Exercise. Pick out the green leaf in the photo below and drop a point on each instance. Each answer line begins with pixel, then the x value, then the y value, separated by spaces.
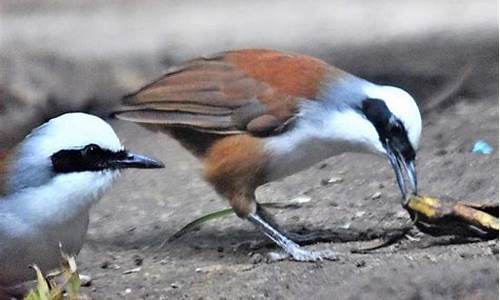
pixel 224 213
pixel 198 222
pixel 42 291
pixel 73 287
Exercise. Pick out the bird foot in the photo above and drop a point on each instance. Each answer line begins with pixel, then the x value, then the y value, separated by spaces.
pixel 292 249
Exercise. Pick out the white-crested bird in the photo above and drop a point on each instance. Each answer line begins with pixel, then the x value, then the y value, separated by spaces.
pixel 55 176
pixel 256 115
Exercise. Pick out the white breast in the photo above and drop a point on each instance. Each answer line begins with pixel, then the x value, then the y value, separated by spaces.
pixel 34 221
pixel 320 132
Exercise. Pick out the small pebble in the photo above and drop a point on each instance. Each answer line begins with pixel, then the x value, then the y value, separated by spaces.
pixel 376 195
pixel 409 257
pixel 210 269
pixel 322 166
pixel 105 264
pixel 441 152
pixel 360 263
pixel 130 271
pixel 359 214
pixel 401 214
pixel 256 258
pixel 128 291
pixel 302 199
pixel 345 226
pixel 332 180
pixel 276 256
pixel 174 285
pixel 334 204
pixel 431 258
pixel 85 280
pixel 493 245
pixel 307 191
pixel 138 260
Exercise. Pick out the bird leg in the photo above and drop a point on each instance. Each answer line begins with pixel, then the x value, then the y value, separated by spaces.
pixel 299 238
pixel 291 248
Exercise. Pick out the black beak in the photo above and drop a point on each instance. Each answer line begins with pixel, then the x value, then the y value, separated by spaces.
pixel 402 166
pixel 131 160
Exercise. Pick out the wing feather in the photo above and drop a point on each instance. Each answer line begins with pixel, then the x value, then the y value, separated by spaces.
pixel 252 91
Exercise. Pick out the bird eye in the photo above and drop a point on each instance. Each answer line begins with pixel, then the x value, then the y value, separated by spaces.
pixel 91 149
pixel 397 128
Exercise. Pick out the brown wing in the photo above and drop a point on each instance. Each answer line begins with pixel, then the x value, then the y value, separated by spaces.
pixel 254 91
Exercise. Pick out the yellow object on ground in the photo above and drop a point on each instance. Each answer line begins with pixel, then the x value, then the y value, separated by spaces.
pixel 437 213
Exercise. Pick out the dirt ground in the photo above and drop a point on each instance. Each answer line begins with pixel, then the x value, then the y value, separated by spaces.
pixel 224 258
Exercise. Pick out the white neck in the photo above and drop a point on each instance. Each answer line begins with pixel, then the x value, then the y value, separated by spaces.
pixel 322 131
pixel 39 219
pixel 63 198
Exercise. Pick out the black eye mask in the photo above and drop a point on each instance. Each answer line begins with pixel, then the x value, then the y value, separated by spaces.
pixel 89 158
pixel 389 128
pixel 394 139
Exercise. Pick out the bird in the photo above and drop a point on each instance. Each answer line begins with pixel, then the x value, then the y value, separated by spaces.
pixel 54 177
pixel 253 116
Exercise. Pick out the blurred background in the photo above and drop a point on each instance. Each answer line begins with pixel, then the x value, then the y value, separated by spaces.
pixel 74 55
pixel 84 55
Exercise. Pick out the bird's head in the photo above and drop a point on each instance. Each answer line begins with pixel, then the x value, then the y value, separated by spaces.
pixel 396 126
pixel 82 148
